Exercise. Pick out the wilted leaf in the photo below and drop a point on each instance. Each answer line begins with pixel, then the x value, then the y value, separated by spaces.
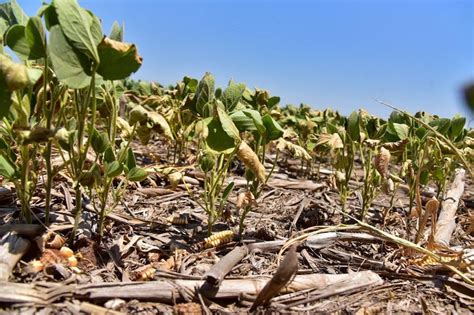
pixel 138 114
pixel 117 60
pixel 251 161
pixel 13 75
pixel 296 150
pixel 382 161
pixel 160 124
pixel 333 141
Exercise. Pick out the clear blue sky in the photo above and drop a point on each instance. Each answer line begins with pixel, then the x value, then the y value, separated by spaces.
pixel 339 54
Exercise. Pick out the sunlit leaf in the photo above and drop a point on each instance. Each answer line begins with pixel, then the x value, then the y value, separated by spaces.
pixel 117 60
pixel 204 94
pixel 71 66
pixel 232 95
pixel 36 38
pixel 227 124
pixel 117 32
pixel 217 139
pixel 79 27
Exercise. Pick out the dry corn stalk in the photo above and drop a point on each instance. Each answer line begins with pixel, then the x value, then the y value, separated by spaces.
pixel 218 239
pixel 250 159
pixel 178 220
pixel 144 273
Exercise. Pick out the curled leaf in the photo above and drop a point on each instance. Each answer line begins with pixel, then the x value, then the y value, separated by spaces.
pixel 118 60
pixel 381 161
pixel 250 159
pixel 296 150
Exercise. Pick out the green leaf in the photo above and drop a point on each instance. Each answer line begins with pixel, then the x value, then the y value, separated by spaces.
pixel 99 141
pixel 441 125
pixel 457 126
pixel 113 169
pixel 399 130
pixel 15 39
pixel 353 128
pixel 109 155
pixel 96 28
pixel 130 162
pixel 71 67
pixel 7 170
pixel 117 32
pixel 50 16
pixel 256 118
pixel 205 94
pixel 13 13
pixel 421 132
pixel 5 98
pixel 273 101
pixel 424 177
pixel 217 139
pixel 232 95
pixel 36 38
pixel 137 174
pixel 117 60
pixel 226 193
pixel 243 122
pixel 79 27
pixel 273 128
pixel 227 124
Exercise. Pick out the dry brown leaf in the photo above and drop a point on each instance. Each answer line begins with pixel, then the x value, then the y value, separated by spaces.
pixel 250 159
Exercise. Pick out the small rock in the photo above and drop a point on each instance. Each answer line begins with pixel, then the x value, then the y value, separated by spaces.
pixel 114 304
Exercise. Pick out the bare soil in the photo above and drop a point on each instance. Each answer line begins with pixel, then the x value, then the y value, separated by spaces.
pixel 139 242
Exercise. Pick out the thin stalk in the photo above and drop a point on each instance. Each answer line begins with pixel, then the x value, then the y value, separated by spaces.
pixel 47 153
pixel 83 151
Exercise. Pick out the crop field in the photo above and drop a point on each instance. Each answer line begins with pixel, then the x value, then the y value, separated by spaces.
pixel 125 196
